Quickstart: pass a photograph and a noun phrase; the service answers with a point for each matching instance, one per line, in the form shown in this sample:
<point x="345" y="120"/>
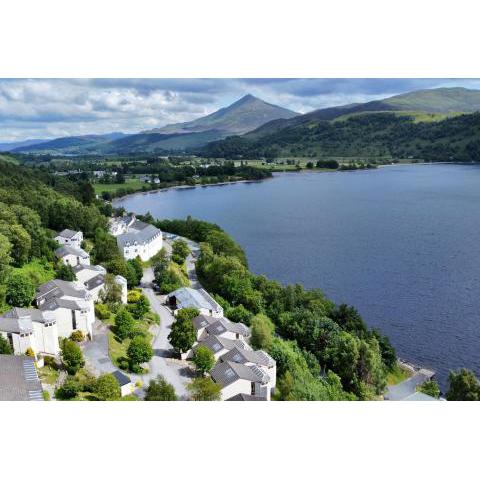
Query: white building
<point x="70" y="237"/>
<point x="238" y="378"/>
<point x="250" y="358"/>
<point x="72" y="256"/>
<point x="217" y="345"/>
<point x="221" y="327"/>
<point x="30" y="328"/>
<point x="187" y="297"/>
<point x="71" y="305"/>
<point x="126" y="385"/>
<point x="92" y="278"/>
<point x="136" y="238"/>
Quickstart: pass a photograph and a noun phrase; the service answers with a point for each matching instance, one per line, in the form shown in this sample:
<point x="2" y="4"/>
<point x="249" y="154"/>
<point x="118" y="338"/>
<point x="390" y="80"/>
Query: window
<point x="252" y="391"/>
<point x="74" y="320"/>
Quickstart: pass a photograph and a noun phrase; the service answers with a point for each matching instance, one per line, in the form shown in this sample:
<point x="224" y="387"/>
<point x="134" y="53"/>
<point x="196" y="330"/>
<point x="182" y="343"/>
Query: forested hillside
<point x="372" y="135"/>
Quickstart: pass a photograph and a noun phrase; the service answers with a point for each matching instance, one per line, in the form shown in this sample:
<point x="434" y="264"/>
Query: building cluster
<point x="136" y="238"/>
<point x="62" y="307"/>
<point x="242" y="373"/>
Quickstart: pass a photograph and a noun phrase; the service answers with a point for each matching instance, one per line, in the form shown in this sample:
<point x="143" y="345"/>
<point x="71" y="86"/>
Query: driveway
<point x="174" y="371"/>
<point x="96" y="351"/>
<point x="408" y="387"/>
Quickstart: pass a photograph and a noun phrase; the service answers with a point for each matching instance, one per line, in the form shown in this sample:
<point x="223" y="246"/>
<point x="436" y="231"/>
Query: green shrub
<point x="77" y="336"/>
<point x="133" y="296"/>
<point x="102" y="311"/>
<point x="68" y="390"/>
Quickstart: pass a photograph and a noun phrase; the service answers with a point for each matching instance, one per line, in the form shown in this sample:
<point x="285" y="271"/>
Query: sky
<point x="51" y="108"/>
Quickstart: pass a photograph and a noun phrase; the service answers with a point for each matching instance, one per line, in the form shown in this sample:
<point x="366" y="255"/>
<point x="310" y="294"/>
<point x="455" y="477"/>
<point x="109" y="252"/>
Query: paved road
<point x="175" y="372"/>
<point x="407" y="387"/>
<point x="96" y="351"/>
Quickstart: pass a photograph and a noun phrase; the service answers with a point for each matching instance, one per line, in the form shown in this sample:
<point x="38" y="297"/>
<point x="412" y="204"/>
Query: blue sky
<point x="50" y="108"/>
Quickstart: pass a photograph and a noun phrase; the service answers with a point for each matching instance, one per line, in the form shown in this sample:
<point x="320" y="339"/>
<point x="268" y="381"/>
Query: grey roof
<point x="215" y="344"/>
<point x="189" y="297"/>
<point x="122" y="379"/>
<point x="67" y="233"/>
<point x="19" y="320"/>
<point x="19" y="379"/>
<point x="420" y="397"/>
<point x="65" y="250"/>
<point x="54" y="303"/>
<point x="138" y="238"/>
<point x="202" y="321"/>
<point x="226" y="373"/>
<point x="243" y="397"/>
<point x="95" y="282"/>
<point x="222" y="325"/>
<point x="241" y="355"/>
<point x="139" y="225"/>
<point x="59" y="288"/>
<point x="93" y="268"/>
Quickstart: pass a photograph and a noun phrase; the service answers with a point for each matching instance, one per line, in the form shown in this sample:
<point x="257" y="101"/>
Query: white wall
<point x="240" y="386"/>
<point x="75" y="241"/>
<point x="73" y="260"/>
<point x="21" y="344"/>
<point x="144" y="251"/>
<point x="46" y="338"/>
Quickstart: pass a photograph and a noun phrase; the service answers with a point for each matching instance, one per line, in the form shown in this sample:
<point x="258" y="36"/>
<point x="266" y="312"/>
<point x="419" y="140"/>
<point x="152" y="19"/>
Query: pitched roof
<point x="215" y="344"/>
<point x="240" y="355"/>
<point x="19" y="379"/>
<point x="54" y="303"/>
<point x="202" y="321"/>
<point x="226" y="373"/>
<point x="19" y="320"/>
<point x="65" y="250"/>
<point x="93" y="268"/>
<point x="122" y="379"/>
<point x="222" y="325"/>
<point x="95" y="282"/>
<point x="243" y="397"/>
<point x="59" y="288"/>
<point x="140" y="237"/>
<point x="67" y="233"/>
<point x="420" y="397"/>
<point x="190" y="297"/>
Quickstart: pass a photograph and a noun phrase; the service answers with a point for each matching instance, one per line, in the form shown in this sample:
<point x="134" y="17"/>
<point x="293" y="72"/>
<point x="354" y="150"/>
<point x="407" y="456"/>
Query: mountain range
<point x="255" y="126"/>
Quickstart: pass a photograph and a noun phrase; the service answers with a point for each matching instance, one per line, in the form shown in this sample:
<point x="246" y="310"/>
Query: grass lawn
<point x="118" y="350"/>
<point x="48" y="375"/>
<point x="398" y="375"/>
<point x="130" y="183"/>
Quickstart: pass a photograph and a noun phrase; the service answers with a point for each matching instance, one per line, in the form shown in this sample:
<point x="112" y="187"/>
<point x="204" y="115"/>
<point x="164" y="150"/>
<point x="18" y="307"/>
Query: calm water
<point x="399" y="243"/>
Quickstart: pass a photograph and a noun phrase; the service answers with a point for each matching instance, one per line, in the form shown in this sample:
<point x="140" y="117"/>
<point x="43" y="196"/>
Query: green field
<point x="130" y="183"/>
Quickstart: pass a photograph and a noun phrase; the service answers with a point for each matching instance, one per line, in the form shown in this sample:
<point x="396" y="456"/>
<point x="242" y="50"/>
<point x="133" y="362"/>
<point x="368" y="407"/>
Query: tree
<point x="65" y="272"/>
<point x="204" y="389"/>
<point x="124" y="324"/>
<point x="160" y="390"/>
<point x="107" y="387"/>
<point x="430" y="387"/>
<point x="112" y="291"/>
<point x="5" y="257"/>
<point x="136" y="264"/>
<point x="464" y="386"/>
<point x="68" y="390"/>
<point x="139" y="351"/>
<point x="5" y="347"/>
<point x="20" y="290"/>
<point x="140" y="308"/>
<point x="183" y="334"/>
<point x="239" y="314"/>
<point x="72" y="356"/>
<point x="180" y="251"/>
<point x="204" y="359"/>
<point x="262" y="332"/>
<point x="188" y="313"/>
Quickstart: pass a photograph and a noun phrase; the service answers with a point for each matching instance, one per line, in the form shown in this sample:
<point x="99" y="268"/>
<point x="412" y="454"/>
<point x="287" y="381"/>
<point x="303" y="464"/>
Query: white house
<point x="30" y="328"/>
<point x="250" y="358"/>
<point x="217" y="345"/>
<point x="126" y="385"/>
<point x="136" y="238"/>
<point x="92" y="278"/>
<point x="237" y="378"/>
<point x="72" y="256"/>
<point x="70" y="237"/>
<point x="187" y="297"/>
<point x="71" y="304"/>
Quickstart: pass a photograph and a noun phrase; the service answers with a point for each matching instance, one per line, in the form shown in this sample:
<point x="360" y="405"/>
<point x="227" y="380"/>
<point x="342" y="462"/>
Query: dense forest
<point x="371" y="135"/>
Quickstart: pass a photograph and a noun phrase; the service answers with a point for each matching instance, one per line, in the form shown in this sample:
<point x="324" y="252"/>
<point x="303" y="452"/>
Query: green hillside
<point x="370" y="135"/>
